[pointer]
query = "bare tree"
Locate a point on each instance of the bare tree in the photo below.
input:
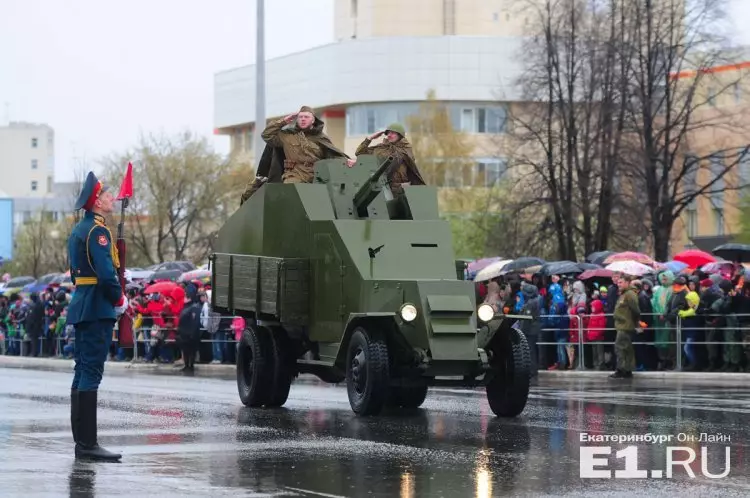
(674, 49)
(566, 139)
(183, 192)
(618, 93)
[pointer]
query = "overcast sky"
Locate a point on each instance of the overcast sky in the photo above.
(100, 72)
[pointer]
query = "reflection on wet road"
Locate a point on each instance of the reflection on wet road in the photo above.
(192, 437)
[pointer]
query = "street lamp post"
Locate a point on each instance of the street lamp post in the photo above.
(260, 80)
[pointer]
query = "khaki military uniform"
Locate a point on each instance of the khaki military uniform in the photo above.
(627, 315)
(404, 171)
(301, 152)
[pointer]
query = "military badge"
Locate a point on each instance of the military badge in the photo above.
(102, 240)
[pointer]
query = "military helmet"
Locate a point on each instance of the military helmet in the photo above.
(398, 128)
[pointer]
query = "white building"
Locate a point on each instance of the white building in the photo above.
(27, 160)
(388, 56)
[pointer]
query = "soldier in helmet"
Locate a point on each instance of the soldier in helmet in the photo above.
(294, 144)
(404, 170)
(97, 303)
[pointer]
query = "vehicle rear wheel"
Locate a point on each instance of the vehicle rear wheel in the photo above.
(254, 357)
(408, 396)
(508, 390)
(283, 367)
(367, 372)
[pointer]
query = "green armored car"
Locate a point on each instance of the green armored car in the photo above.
(342, 280)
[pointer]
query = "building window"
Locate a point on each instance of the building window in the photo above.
(34, 143)
(737, 92)
(692, 223)
(483, 120)
(34, 185)
(711, 98)
(249, 140)
(34, 164)
(495, 16)
(49, 184)
(453, 176)
(690, 179)
(717, 189)
(489, 171)
(743, 168)
(354, 8)
(719, 221)
(366, 119)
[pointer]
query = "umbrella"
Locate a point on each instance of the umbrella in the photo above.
(561, 268)
(723, 267)
(598, 273)
(479, 264)
(675, 266)
(638, 257)
(630, 268)
(529, 270)
(739, 253)
(588, 266)
(520, 264)
(694, 258)
(161, 288)
(598, 257)
(491, 271)
(189, 276)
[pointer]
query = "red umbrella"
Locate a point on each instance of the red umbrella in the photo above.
(599, 273)
(695, 258)
(638, 257)
(161, 288)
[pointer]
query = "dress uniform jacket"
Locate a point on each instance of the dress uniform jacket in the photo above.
(93, 264)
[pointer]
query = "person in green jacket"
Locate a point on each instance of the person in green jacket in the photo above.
(627, 319)
(664, 335)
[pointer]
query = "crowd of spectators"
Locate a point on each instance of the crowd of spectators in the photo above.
(708, 316)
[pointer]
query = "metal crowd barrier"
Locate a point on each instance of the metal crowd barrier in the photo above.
(21, 345)
(678, 329)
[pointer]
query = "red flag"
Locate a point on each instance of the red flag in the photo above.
(126, 189)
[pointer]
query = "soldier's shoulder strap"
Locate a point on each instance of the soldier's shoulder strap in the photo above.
(113, 249)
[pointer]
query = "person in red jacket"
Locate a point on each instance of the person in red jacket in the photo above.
(595, 333)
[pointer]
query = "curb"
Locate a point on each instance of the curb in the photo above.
(65, 364)
(691, 376)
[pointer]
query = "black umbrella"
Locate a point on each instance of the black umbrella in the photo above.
(598, 257)
(561, 268)
(588, 266)
(522, 263)
(736, 253)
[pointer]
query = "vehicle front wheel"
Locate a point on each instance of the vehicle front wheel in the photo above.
(367, 372)
(508, 390)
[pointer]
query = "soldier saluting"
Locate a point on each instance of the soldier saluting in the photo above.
(404, 170)
(97, 303)
(293, 145)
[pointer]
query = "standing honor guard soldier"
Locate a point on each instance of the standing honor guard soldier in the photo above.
(97, 302)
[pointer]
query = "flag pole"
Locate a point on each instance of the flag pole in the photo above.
(126, 337)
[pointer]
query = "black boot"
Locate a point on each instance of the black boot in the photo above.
(74, 413)
(87, 446)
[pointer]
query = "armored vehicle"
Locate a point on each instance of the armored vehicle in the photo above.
(339, 279)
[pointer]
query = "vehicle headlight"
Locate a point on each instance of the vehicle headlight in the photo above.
(408, 312)
(486, 312)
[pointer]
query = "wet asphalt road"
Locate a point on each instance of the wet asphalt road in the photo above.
(185, 436)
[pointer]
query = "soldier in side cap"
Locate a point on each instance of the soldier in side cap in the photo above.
(294, 144)
(97, 303)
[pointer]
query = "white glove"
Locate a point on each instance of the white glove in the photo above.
(122, 306)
